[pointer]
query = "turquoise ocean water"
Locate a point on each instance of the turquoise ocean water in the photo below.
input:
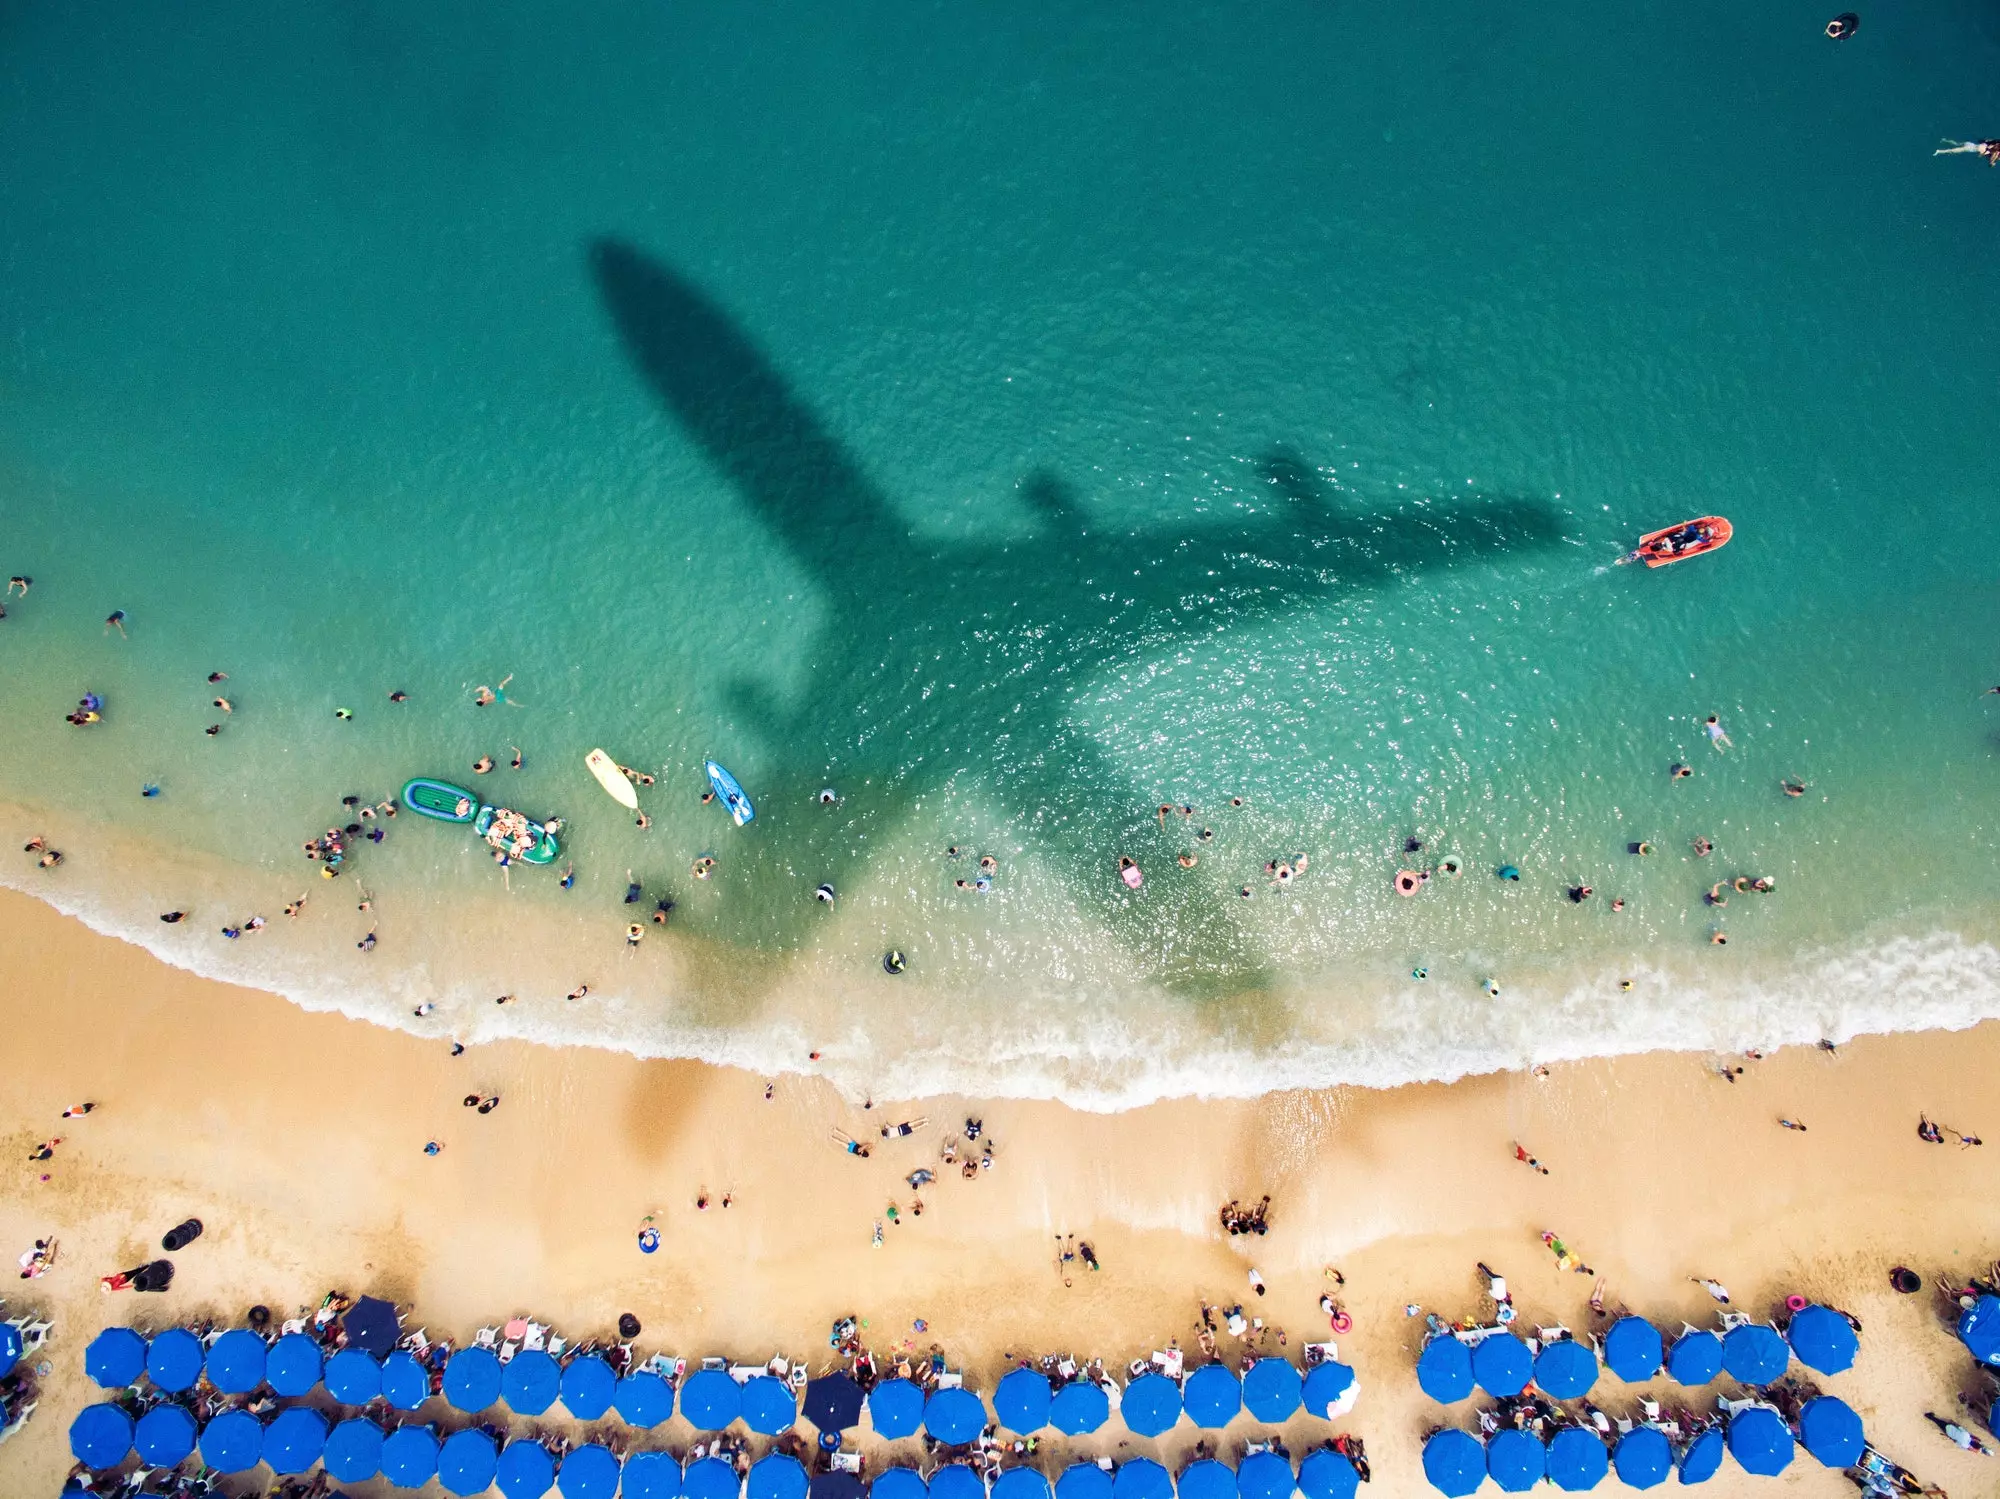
(1014, 420)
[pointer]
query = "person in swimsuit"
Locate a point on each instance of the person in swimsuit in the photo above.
(116, 621)
(1712, 726)
(1989, 151)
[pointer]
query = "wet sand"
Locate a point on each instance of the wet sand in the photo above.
(297, 1138)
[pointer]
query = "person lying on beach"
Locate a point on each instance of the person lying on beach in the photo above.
(851, 1145)
(1988, 150)
(907, 1127)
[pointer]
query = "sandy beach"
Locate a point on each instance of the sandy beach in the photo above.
(297, 1139)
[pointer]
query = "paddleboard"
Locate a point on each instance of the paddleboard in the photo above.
(612, 779)
(730, 794)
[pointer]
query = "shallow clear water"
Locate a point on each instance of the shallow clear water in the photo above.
(1015, 421)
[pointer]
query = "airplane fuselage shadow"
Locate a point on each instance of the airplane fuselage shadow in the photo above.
(934, 656)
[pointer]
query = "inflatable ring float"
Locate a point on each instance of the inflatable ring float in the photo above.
(1795, 1303)
(1342, 1322)
(1408, 882)
(1449, 868)
(1843, 26)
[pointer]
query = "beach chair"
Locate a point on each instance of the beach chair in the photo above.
(846, 1462)
(508, 1349)
(486, 1337)
(951, 1379)
(744, 1373)
(417, 1342)
(1169, 1363)
(1251, 1449)
(1733, 1320)
(34, 1334)
(537, 1336)
(1321, 1353)
(798, 1377)
(556, 1345)
(1066, 1367)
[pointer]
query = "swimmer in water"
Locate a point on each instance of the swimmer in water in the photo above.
(116, 621)
(826, 796)
(1205, 834)
(1679, 771)
(1618, 903)
(225, 705)
(1712, 726)
(702, 866)
(1793, 787)
(217, 676)
(212, 730)
(483, 764)
(517, 755)
(20, 583)
(399, 697)
(707, 797)
(367, 943)
(1164, 810)
(643, 822)
(343, 713)
(1578, 894)
(1843, 26)
(1187, 861)
(1703, 848)
(660, 909)
(631, 888)
(149, 790)
(824, 894)
(581, 991)
(1715, 897)
(1236, 801)
(988, 863)
(1989, 151)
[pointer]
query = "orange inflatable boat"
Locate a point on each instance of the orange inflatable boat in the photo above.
(1678, 543)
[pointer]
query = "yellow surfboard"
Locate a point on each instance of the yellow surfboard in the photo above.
(612, 779)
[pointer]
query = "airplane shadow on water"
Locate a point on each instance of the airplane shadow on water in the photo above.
(943, 662)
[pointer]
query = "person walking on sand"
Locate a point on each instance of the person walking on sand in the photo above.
(1954, 1433)
(1256, 1280)
(1714, 1288)
(1792, 1124)
(1521, 1155)
(1564, 1259)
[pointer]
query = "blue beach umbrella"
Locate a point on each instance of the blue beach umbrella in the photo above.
(1327, 1475)
(1020, 1483)
(1207, 1479)
(777, 1477)
(1264, 1475)
(472, 1379)
(1823, 1340)
(837, 1485)
(295, 1439)
(352, 1377)
(1831, 1431)
(588, 1387)
(164, 1435)
(100, 1436)
(648, 1475)
(710, 1400)
(1979, 1329)
(1078, 1408)
(591, 1472)
(1272, 1390)
(1632, 1349)
(233, 1442)
(1516, 1460)
(293, 1365)
(173, 1360)
(1444, 1371)
(372, 1325)
(1326, 1385)
(904, 1483)
(1021, 1401)
(957, 1481)
(1141, 1478)
(895, 1409)
(769, 1406)
(467, 1462)
(1703, 1458)
(954, 1417)
(115, 1358)
(1150, 1405)
(1083, 1481)
(1502, 1364)
(236, 1362)
(1454, 1464)
(406, 1384)
(1695, 1358)
(1565, 1370)
(410, 1456)
(1212, 1396)
(1644, 1457)
(530, 1382)
(1754, 1354)
(1577, 1460)
(1760, 1441)
(524, 1470)
(833, 1402)
(645, 1399)
(353, 1452)
(10, 1348)
(710, 1478)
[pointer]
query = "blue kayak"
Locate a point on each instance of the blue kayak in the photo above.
(730, 794)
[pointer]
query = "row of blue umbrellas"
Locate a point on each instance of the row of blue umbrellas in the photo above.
(532, 1381)
(1502, 1364)
(470, 1462)
(1576, 1459)
(1979, 1330)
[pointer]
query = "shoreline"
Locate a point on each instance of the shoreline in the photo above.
(295, 1136)
(689, 997)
